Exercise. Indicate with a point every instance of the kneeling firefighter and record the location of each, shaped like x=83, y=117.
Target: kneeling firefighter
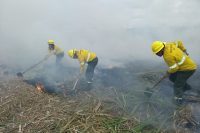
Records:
x=181, y=66
x=54, y=49
x=85, y=56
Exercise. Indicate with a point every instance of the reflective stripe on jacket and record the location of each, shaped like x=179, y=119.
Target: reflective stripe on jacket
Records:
x=176, y=59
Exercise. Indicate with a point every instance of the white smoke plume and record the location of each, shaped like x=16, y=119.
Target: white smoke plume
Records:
x=114, y=29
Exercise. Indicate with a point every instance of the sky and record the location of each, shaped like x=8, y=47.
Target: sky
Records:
x=115, y=30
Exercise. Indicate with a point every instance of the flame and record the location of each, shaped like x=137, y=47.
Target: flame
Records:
x=40, y=87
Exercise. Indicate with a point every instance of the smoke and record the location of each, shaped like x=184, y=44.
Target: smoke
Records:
x=119, y=31
x=115, y=30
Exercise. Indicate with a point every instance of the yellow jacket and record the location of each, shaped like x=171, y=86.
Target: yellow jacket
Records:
x=85, y=56
x=179, y=44
x=176, y=59
x=56, y=50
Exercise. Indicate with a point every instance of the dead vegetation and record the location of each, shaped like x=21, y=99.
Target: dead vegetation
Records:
x=101, y=110
x=24, y=109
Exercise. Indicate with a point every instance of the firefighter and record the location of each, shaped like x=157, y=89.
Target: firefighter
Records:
x=54, y=49
x=181, y=66
x=85, y=57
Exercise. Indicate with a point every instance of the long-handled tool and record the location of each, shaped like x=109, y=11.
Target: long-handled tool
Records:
x=74, y=87
x=149, y=91
x=20, y=74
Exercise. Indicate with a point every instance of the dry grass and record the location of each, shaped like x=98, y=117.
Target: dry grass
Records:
x=25, y=110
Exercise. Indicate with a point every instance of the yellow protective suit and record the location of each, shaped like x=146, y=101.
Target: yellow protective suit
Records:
x=176, y=59
x=85, y=56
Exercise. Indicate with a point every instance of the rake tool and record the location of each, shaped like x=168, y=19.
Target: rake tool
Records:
x=149, y=91
x=74, y=87
x=75, y=84
x=20, y=74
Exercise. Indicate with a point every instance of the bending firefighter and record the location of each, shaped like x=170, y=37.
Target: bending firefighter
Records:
x=85, y=56
x=54, y=49
x=181, y=66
